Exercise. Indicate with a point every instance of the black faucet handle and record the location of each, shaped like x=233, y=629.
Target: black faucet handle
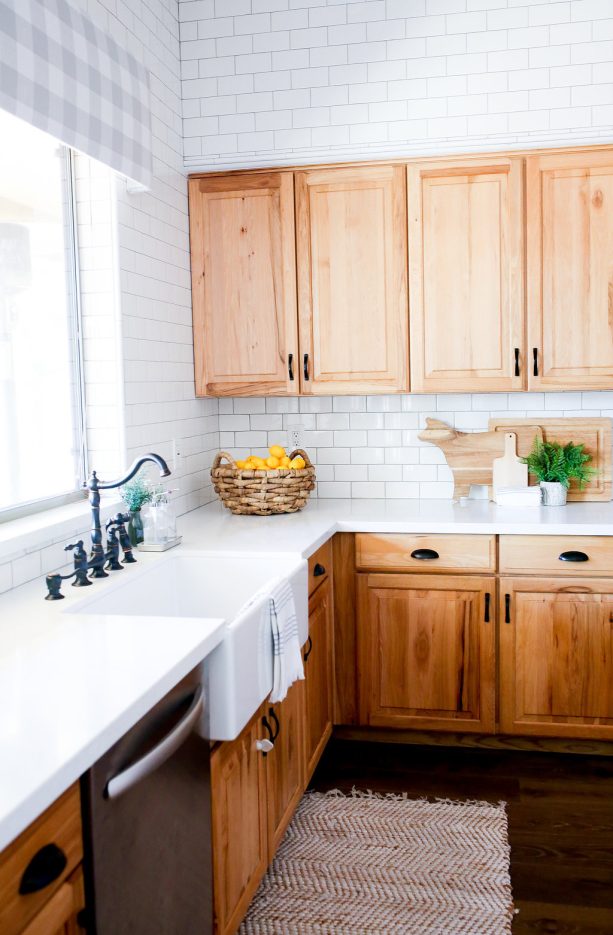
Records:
x=77, y=546
x=54, y=583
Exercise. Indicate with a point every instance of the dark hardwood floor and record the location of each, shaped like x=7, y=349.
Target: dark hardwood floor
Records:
x=560, y=809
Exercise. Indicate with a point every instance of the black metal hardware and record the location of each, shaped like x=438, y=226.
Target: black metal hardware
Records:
x=266, y=724
x=54, y=583
x=535, y=355
x=319, y=570
x=425, y=555
x=573, y=556
x=309, y=649
x=275, y=719
x=306, y=366
x=290, y=366
x=45, y=867
x=80, y=563
x=112, y=547
x=486, y=616
x=507, y=608
x=516, y=361
x=124, y=539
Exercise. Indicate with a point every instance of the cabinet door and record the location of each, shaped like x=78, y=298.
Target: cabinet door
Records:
x=240, y=847
x=556, y=657
x=352, y=291
x=318, y=665
x=570, y=270
x=426, y=651
x=284, y=764
x=466, y=276
x=244, y=284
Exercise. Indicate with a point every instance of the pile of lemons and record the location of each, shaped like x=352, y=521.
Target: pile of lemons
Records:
x=277, y=458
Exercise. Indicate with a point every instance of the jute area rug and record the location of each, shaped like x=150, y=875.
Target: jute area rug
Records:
x=366, y=863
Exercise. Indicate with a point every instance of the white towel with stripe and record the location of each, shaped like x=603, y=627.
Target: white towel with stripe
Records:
x=287, y=655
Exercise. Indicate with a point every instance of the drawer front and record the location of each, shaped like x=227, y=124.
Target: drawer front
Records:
x=576, y=556
x=320, y=566
x=437, y=553
x=59, y=826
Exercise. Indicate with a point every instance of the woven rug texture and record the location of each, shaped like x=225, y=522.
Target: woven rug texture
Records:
x=386, y=865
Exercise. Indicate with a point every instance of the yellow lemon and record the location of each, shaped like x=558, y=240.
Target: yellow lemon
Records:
x=276, y=451
x=297, y=463
x=259, y=463
x=240, y=465
x=285, y=462
x=272, y=462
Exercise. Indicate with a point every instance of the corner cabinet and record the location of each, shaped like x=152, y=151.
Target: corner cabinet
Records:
x=352, y=279
x=244, y=284
x=466, y=275
x=570, y=270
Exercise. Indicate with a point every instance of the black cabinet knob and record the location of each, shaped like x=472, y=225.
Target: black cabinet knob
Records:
x=45, y=867
x=573, y=556
x=425, y=555
x=319, y=570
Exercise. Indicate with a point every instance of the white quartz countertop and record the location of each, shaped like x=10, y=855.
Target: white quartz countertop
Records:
x=72, y=685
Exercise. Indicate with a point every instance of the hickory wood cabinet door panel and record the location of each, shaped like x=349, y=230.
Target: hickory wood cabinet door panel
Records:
x=318, y=671
x=284, y=764
x=556, y=657
x=466, y=275
x=570, y=270
x=244, y=284
x=426, y=647
x=352, y=288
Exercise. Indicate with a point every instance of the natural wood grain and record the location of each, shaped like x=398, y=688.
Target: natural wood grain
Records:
x=466, y=275
x=322, y=558
x=243, y=284
x=285, y=764
x=470, y=455
x=509, y=471
x=319, y=675
x=426, y=653
x=345, y=629
x=569, y=271
x=595, y=433
x=540, y=555
x=60, y=824
x=392, y=552
x=556, y=657
x=352, y=280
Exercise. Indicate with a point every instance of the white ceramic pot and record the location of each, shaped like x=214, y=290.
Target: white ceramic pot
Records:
x=554, y=493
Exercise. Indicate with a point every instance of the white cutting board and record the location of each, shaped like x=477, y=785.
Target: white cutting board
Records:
x=509, y=471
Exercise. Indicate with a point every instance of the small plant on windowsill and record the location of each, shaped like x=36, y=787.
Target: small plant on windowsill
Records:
x=555, y=465
x=135, y=494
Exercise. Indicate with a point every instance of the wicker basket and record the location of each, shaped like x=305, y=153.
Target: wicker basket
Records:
x=285, y=490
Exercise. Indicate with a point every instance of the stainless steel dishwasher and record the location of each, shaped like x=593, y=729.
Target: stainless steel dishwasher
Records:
x=147, y=825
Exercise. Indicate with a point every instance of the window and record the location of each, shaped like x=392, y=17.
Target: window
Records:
x=42, y=406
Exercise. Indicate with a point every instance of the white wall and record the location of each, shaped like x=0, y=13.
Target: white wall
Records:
x=286, y=81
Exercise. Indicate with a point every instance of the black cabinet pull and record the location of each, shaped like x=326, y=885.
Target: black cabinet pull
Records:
x=573, y=556
x=486, y=615
x=309, y=649
x=45, y=867
x=269, y=729
x=424, y=555
x=275, y=719
x=516, y=361
x=319, y=570
x=507, y=608
x=306, y=366
x=290, y=366
x=535, y=355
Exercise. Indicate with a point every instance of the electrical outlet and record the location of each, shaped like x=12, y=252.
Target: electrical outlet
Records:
x=295, y=437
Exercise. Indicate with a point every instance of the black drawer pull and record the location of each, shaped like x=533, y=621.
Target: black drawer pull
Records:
x=45, y=867
x=486, y=615
x=290, y=366
x=516, y=361
x=309, y=649
x=275, y=720
x=424, y=555
x=305, y=361
x=573, y=556
x=535, y=355
x=318, y=570
x=507, y=608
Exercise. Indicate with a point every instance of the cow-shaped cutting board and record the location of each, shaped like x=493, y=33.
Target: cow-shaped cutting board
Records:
x=470, y=455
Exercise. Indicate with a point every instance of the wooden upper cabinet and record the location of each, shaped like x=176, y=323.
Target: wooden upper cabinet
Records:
x=244, y=284
x=570, y=270
x=352, y=290
x=466, y=275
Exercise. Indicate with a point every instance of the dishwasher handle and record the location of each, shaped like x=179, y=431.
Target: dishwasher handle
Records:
x=160, y=753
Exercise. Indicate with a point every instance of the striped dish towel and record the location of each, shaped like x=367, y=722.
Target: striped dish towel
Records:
x=287, y=656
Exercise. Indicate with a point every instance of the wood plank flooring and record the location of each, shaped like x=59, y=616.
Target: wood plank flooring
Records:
x=560, y=810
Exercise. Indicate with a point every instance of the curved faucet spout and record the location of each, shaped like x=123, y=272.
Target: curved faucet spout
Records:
x=150, y=456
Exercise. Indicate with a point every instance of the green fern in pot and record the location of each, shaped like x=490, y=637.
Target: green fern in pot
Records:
x=555, y=465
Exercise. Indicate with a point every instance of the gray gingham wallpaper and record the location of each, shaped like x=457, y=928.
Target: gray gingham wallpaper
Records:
x=66, y=76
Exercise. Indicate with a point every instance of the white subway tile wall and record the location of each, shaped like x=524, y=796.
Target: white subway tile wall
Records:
x=269, y=82
x=367, y=446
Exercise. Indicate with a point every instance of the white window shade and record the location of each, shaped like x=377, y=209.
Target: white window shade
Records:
x=69, y=78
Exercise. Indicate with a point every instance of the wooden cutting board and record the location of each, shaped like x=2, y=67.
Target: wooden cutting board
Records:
x=469, y=454
x=509, y=471
x=594, y=433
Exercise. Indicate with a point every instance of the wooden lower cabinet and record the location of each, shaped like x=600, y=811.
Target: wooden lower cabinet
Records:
x=60, y=916
x=426, y=651
x=556, y=657
x=319, y=684
x=285, y=764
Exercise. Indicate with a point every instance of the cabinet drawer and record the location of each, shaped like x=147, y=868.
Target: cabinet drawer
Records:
x=556, y=555
x=59, y=826
x=437, y=553
x=320, y=565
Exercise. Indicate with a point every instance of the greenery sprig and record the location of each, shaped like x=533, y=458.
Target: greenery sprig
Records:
x=555, y=463
x=136, y=493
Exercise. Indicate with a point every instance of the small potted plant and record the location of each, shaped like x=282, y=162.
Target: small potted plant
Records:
x=555, y=465
x=135, y=494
